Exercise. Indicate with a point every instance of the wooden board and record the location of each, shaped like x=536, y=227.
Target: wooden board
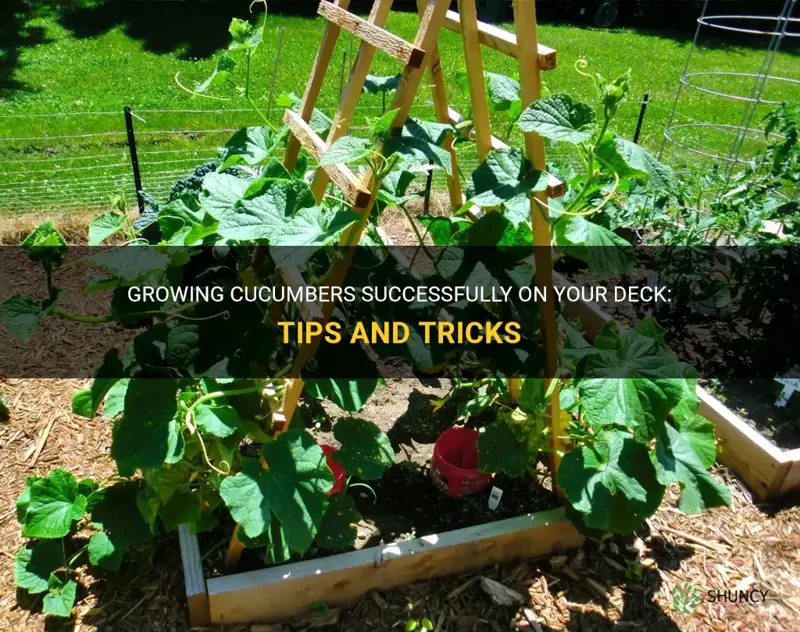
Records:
x=196, y=595
x=283, y=591
x=768, y=471
x=380, y=38
x=341, y=175
x=502, y=41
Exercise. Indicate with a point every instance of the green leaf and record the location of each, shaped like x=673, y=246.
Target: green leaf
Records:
x=221, y=192
x=365, y=450
x=117, y=514
x=222, y=71
x=179, y=217
x=20, y=314
x=131, y=264
x=679, y=458
x=166, y=480
x=506, y=177
x=5, y=413
x=86, y=401
x=311, y=227
x=24, y=498
x=54, y=505
x=375, y=84
x=148, y=433
x=220, y=420
x=349, y=395
x=294, y=489
x=381, y=126
x=262, y=216
x=418, y=145
x=503, y=91
x=249, y=146
x=606, y=253
x=60, y=597
x=33, y=566
x=636, y=385
x=347, y=150
x=608, y=155
x=45, y=244
x=503, y=447
x=102, y=227
x=612, y=483
x=114, y=403
x=338, y=531
x=559, y=118
x=183, y=507
x=650, y=328
x=639, y=159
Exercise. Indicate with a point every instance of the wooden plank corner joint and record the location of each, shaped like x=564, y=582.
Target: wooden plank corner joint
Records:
x=196, y=592
x=502, y=41
x=373, y=34
x=340, y=174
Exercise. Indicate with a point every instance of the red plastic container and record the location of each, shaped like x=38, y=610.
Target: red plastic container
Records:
x=339, y=475
x=454, y=466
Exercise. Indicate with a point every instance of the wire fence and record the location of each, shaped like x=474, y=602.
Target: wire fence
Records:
x=62, y=162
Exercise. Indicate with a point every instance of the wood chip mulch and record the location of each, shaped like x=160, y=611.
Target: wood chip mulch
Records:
x=658, y=579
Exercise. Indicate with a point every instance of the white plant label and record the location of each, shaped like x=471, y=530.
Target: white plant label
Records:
x=494, y=498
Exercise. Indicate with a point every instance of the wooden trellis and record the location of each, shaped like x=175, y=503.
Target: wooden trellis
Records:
x=417, y=57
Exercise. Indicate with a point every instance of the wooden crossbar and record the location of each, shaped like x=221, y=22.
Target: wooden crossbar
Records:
x=380, y=38
x=502, y=41
x=341, y=175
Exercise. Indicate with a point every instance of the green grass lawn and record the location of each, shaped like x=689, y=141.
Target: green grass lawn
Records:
x=88, y=80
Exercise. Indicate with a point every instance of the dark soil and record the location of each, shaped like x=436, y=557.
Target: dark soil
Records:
x=721, y=351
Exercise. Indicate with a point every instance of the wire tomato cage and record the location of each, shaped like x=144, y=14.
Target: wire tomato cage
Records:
x=726, y=141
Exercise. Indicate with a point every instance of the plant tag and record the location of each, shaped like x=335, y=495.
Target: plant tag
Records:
x=494, y=498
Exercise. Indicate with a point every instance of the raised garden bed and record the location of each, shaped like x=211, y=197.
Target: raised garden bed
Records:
x=768, y=470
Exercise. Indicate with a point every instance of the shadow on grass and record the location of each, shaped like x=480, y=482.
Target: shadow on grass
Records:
x=15, y=34
x=191, y=28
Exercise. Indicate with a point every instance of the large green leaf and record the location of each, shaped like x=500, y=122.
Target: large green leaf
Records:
x=311, y=227
x=506, y=178
x=641, y=160
x=294, y=488
x=260, y=217
x=248, y=146
x=148, y=433
x=60, y=597
x=114, y=402
x=635, y=384
x=679, y=458
x=118, y=515
x=347, y=150
x=20, y=314
x=612, y=483
x=54, y=504
x=338, y=529
x=33, y=566
x=365, y=450
x=606, y=252
x=559, y=118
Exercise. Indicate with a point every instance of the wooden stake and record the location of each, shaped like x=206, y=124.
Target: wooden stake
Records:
x=315, y=81
x=477, y=84
x=530, y=83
